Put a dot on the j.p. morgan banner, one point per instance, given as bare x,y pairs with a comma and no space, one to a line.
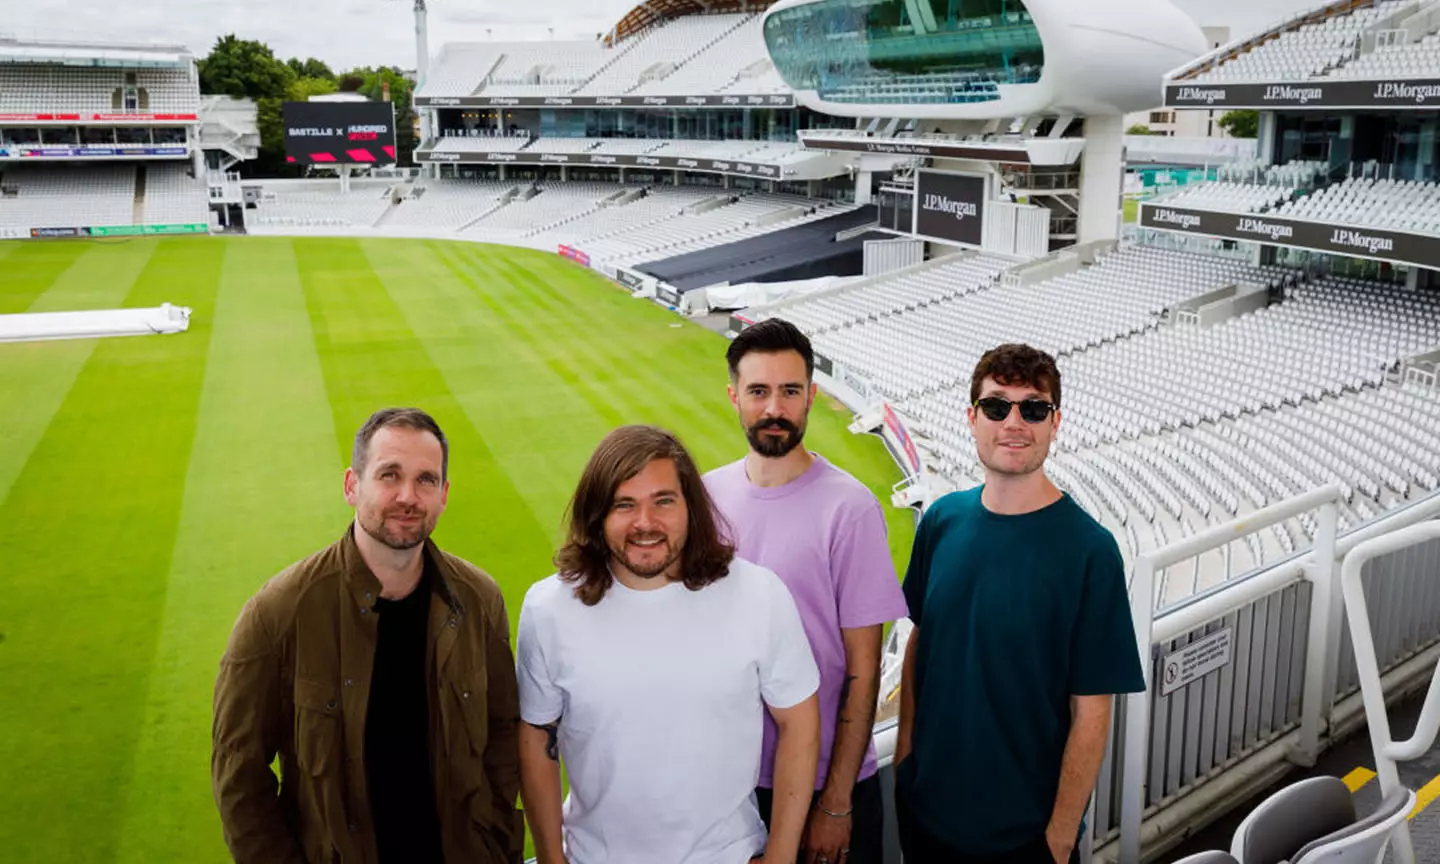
1396,246
768,100
675,163
1408,93
951,206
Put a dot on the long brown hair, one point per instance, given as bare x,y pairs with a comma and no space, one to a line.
585,558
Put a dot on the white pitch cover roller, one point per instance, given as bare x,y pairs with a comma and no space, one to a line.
42,326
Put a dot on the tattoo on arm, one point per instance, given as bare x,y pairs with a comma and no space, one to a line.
845,697
552,741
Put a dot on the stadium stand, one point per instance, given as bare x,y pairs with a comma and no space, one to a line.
34,196
1409,60
656,54
447,205
173,196
548,207
319,206
738,57
1308,50
543,69
39,89
1405,205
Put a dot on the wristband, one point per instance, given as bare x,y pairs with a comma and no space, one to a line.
833,814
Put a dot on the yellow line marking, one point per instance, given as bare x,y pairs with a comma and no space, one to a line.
1425,797
1357,779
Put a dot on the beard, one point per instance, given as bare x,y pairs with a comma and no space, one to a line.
646,569
771,447
399,537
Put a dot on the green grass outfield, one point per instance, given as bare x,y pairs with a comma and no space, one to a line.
149,485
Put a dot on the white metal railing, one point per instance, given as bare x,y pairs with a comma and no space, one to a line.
1388,751
1319,567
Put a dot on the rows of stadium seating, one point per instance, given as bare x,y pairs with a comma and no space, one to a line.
1306,52
32,89
690,55
35,196
1414,59
1343,46
173,196
323,206
930,348
40,196
1404,205
553,205
1290,190
1168,428
737,61
448,205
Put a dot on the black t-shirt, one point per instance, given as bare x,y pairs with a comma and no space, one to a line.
397,732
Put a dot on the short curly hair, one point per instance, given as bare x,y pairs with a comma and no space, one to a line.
1017,365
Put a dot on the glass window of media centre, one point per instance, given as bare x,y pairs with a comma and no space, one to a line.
906,51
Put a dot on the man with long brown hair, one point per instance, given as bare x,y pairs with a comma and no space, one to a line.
647,664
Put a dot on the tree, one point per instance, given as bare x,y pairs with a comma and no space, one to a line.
371,85
304,88
244,69
309,68
1241,124
1140,129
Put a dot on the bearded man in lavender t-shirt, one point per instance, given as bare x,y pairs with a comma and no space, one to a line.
823,533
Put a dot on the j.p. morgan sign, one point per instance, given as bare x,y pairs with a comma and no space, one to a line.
767,100
1397,246
951,207
607,160
1409,93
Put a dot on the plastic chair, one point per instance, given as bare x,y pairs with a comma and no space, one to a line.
1313,822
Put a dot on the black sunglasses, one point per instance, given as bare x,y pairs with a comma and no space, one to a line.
997,408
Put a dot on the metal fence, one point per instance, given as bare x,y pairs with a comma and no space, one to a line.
1245,680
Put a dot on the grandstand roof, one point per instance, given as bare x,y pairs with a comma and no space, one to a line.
115,54
653,11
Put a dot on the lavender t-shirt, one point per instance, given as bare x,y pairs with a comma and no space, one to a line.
823,533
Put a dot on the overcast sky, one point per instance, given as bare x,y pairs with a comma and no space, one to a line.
346,33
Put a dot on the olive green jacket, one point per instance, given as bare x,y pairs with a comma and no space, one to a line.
295,683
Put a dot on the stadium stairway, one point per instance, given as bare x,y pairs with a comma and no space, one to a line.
138,213
803,252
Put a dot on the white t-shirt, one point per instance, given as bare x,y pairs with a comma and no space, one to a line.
660,696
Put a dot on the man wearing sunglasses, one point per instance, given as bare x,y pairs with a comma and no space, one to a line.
1022,637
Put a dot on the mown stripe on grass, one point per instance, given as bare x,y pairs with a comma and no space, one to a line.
93,518
619,355
611,328
372,359
661,369
539,421
661,373
36,376
263,490
32,268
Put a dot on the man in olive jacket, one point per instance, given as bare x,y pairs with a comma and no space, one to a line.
379,671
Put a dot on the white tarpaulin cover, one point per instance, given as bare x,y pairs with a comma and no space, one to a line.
762,293
31,327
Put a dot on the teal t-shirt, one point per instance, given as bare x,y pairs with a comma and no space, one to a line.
1016,615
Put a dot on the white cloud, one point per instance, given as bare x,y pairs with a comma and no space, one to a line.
347,33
